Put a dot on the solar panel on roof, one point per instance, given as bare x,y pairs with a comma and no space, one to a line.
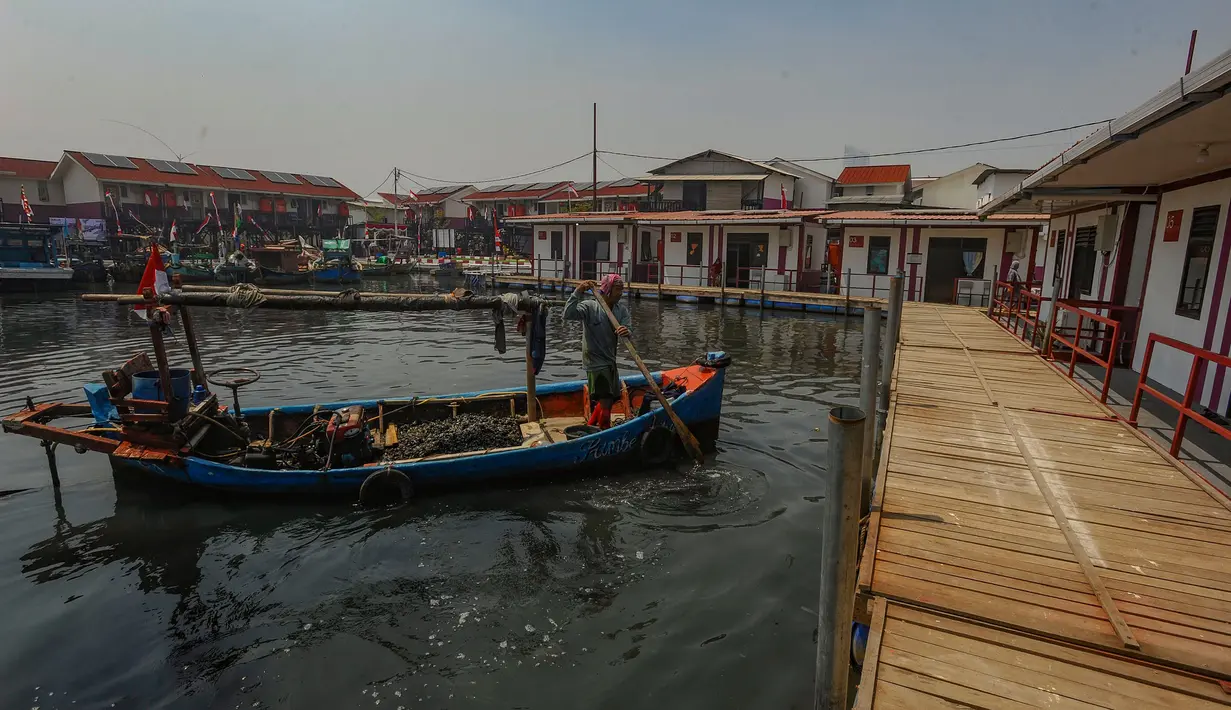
121,162
241,174
171,166
321,181
541,185
518,187
282,178
626,182
99,159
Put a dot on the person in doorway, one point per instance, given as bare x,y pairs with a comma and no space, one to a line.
599,341
1015,275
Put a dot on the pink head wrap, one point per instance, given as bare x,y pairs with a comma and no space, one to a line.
609,281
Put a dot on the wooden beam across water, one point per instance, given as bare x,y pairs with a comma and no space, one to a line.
325,300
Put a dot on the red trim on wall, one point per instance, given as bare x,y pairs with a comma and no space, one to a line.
1220,274
709,249
799,255
914,248
1034,248
1145,279
902,250
1124,254
1194,181
781,259
1070,241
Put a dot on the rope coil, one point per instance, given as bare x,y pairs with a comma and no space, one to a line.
245,295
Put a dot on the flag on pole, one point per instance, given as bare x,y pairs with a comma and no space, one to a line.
470,212
252,221
25,205
118,229
572,190
208,217
782,188
155,277
411,195
217,217
80,229
172,231
137,219
235,229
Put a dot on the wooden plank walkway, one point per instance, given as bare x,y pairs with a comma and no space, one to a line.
1008,496
920,659
792,300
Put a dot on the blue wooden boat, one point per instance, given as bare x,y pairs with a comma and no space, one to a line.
336,272
205,450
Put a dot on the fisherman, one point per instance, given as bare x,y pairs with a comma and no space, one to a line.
599,341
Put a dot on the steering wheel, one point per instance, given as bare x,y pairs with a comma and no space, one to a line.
243,376
240,377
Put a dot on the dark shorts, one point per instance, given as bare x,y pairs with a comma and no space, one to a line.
604,384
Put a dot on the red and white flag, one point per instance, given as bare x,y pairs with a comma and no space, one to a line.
25,205
572,190
208,217
155,277
470,212
148,201
173,233
116,210
783,189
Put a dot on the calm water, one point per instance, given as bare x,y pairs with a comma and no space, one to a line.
692,588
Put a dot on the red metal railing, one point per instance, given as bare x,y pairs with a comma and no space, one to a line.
1075,347
1185,407
1126,316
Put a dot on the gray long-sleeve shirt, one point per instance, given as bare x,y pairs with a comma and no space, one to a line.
598,339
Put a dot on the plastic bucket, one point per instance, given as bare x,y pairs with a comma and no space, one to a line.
148,385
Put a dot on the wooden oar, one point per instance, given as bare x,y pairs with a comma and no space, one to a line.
690,441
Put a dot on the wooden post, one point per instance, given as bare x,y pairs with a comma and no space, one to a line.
867,397
839,552
538,270
164,369
531,393
190,334
846,309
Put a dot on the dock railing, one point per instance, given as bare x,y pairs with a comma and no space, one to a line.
1108,336
1201,357
972,292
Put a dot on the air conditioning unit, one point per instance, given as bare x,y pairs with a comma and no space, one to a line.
622,234
1105,237
784,237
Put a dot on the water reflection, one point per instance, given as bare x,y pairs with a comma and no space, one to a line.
653,588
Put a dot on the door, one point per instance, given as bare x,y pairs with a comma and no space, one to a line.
694,195
595,248
746,254
949,259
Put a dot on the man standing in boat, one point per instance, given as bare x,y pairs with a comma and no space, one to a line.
599,341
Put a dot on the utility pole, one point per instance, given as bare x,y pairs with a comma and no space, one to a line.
397,209
594,161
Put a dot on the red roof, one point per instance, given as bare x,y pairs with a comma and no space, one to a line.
207,179
874,174
685,216
562,194
434,198
501,195
26,168
898,216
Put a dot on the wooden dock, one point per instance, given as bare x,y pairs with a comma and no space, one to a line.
742,297
1027,548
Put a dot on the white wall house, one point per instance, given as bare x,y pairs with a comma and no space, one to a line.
713,180
45,195
945,257
872,187
681,248
1141,226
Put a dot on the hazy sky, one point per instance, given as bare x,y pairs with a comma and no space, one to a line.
473,89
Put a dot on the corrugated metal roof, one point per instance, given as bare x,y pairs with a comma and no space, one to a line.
874,174
680,178
920,218
708,216
528,191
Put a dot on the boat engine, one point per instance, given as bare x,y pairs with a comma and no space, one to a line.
347,439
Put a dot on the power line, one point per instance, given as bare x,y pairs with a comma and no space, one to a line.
496,179
897,152
382,184
617,170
